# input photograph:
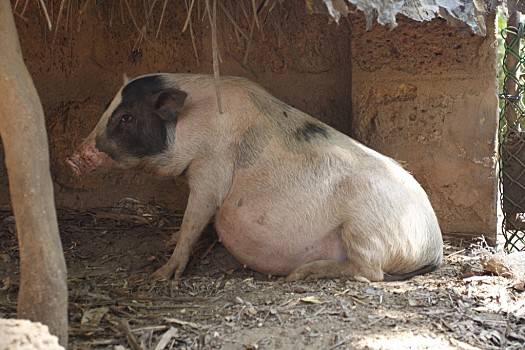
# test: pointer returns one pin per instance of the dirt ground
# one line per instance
(110, 253)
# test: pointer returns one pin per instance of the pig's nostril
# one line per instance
(86, 160)
(74, 166)
(90, 161)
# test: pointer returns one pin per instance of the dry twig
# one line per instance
(57, 24)
(188, 17)
(235, 25)
(161, 18)
(166, 338)
(84, 8)
(192, 36)
(44, 8)
(130, 337)
(255, 14)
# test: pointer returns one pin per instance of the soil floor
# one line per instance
(218, 304)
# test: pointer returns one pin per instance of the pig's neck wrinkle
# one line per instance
(183, 148)
(168, 164)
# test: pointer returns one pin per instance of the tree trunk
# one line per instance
(43, 289)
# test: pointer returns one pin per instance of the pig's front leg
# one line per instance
(175, 236)
(172, 242)
(200, 209)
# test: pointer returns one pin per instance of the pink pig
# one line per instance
(291, 196)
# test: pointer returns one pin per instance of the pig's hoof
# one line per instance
(172, 242)
(163, 274)
(296, 275)
(362, 279)
(306, 272)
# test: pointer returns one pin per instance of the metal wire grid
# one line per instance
(512, 139)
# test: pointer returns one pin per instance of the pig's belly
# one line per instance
(275, 240)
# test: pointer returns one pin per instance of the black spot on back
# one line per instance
(310, 131)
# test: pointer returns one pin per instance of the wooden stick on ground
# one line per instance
(130, 337)
(166, 338)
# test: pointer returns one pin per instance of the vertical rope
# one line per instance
(216, 73)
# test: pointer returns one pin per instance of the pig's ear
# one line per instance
(170, 103)
(125, 78)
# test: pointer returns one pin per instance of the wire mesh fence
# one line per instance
(512, 136)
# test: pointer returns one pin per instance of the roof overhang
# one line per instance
(469, 13)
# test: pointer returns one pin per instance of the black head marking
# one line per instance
(169, 104)
(137, 126)
(310, 131)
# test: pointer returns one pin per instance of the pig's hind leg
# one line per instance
(334, 269)
(363, 262)
(319, 269)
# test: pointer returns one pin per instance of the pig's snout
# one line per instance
(87, 158)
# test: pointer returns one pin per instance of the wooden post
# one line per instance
(43, 289)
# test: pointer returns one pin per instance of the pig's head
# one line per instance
(133, 127)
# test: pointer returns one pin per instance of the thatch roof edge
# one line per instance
(470, 12)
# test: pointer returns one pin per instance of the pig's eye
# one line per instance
(126, 118)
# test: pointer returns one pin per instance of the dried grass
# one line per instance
(150, 24)
(244, 16)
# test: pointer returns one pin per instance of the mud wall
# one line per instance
(425, 94)
(300, 58)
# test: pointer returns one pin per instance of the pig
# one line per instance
(290, 195)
